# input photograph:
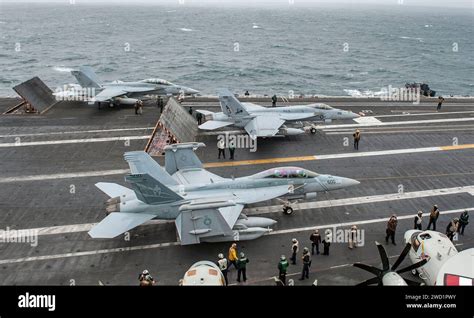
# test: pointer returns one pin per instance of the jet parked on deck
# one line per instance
(204, 206)
(125, 93)
(259, 121)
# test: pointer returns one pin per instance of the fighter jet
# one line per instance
(204, 206)
(126, 93)
(259, 121)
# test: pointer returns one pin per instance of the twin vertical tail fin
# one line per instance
(141, 162)
(182, 156)
(230, 105)
(150, 190)
(86, 77)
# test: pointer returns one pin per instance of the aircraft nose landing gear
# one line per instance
(287, 209)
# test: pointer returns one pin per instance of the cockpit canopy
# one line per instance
(286, 172)
(157, 81)
(320, 106)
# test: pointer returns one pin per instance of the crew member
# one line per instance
(353, 237)
(145, 279)
(463, 221)
(222, 262)
(294, 250)
(199, 118)
(452, 228)
(247, 93)
(434, 214)
(231, 149)
(327, 242)
(315, 239)
(242, 267)
(417, 221)
(282, 269)
(306, 263)
(274, 100)
(232, 256)
(356, 136)
(440, 103)
(221, 148)
(391, 228)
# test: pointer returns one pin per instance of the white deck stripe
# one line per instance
(422, 114)
(404, 131)
(41, 177)
(396, 123)
(78, 132)
(73, 228)
(362, 200)
(71, 141)
(168, 244)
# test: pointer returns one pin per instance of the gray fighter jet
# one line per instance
(261, 121)
(126, 93)
(204, 206)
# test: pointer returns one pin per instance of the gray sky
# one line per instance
(437, 3)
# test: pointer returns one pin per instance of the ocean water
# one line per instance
(324, 50)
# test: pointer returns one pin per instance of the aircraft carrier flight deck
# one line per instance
(410, 157)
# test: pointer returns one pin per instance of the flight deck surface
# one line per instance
(50, 163)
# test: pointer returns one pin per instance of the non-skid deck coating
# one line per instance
(49, 167)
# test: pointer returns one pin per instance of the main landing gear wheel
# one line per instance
(313, 131)
(287, 210)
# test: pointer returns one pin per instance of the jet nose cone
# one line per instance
(352, 115)
(190, 91)
(348, 182)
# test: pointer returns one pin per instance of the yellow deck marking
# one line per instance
(332, 156)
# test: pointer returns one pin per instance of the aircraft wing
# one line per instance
(264, 126)
(196, 176)
(112, 189)
(117, 223)
(261, 194)
(214, 124)
(251, 106)
(192, 225)
(109, 93)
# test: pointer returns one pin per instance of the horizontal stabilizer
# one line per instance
(117, 223)
(214, 124)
